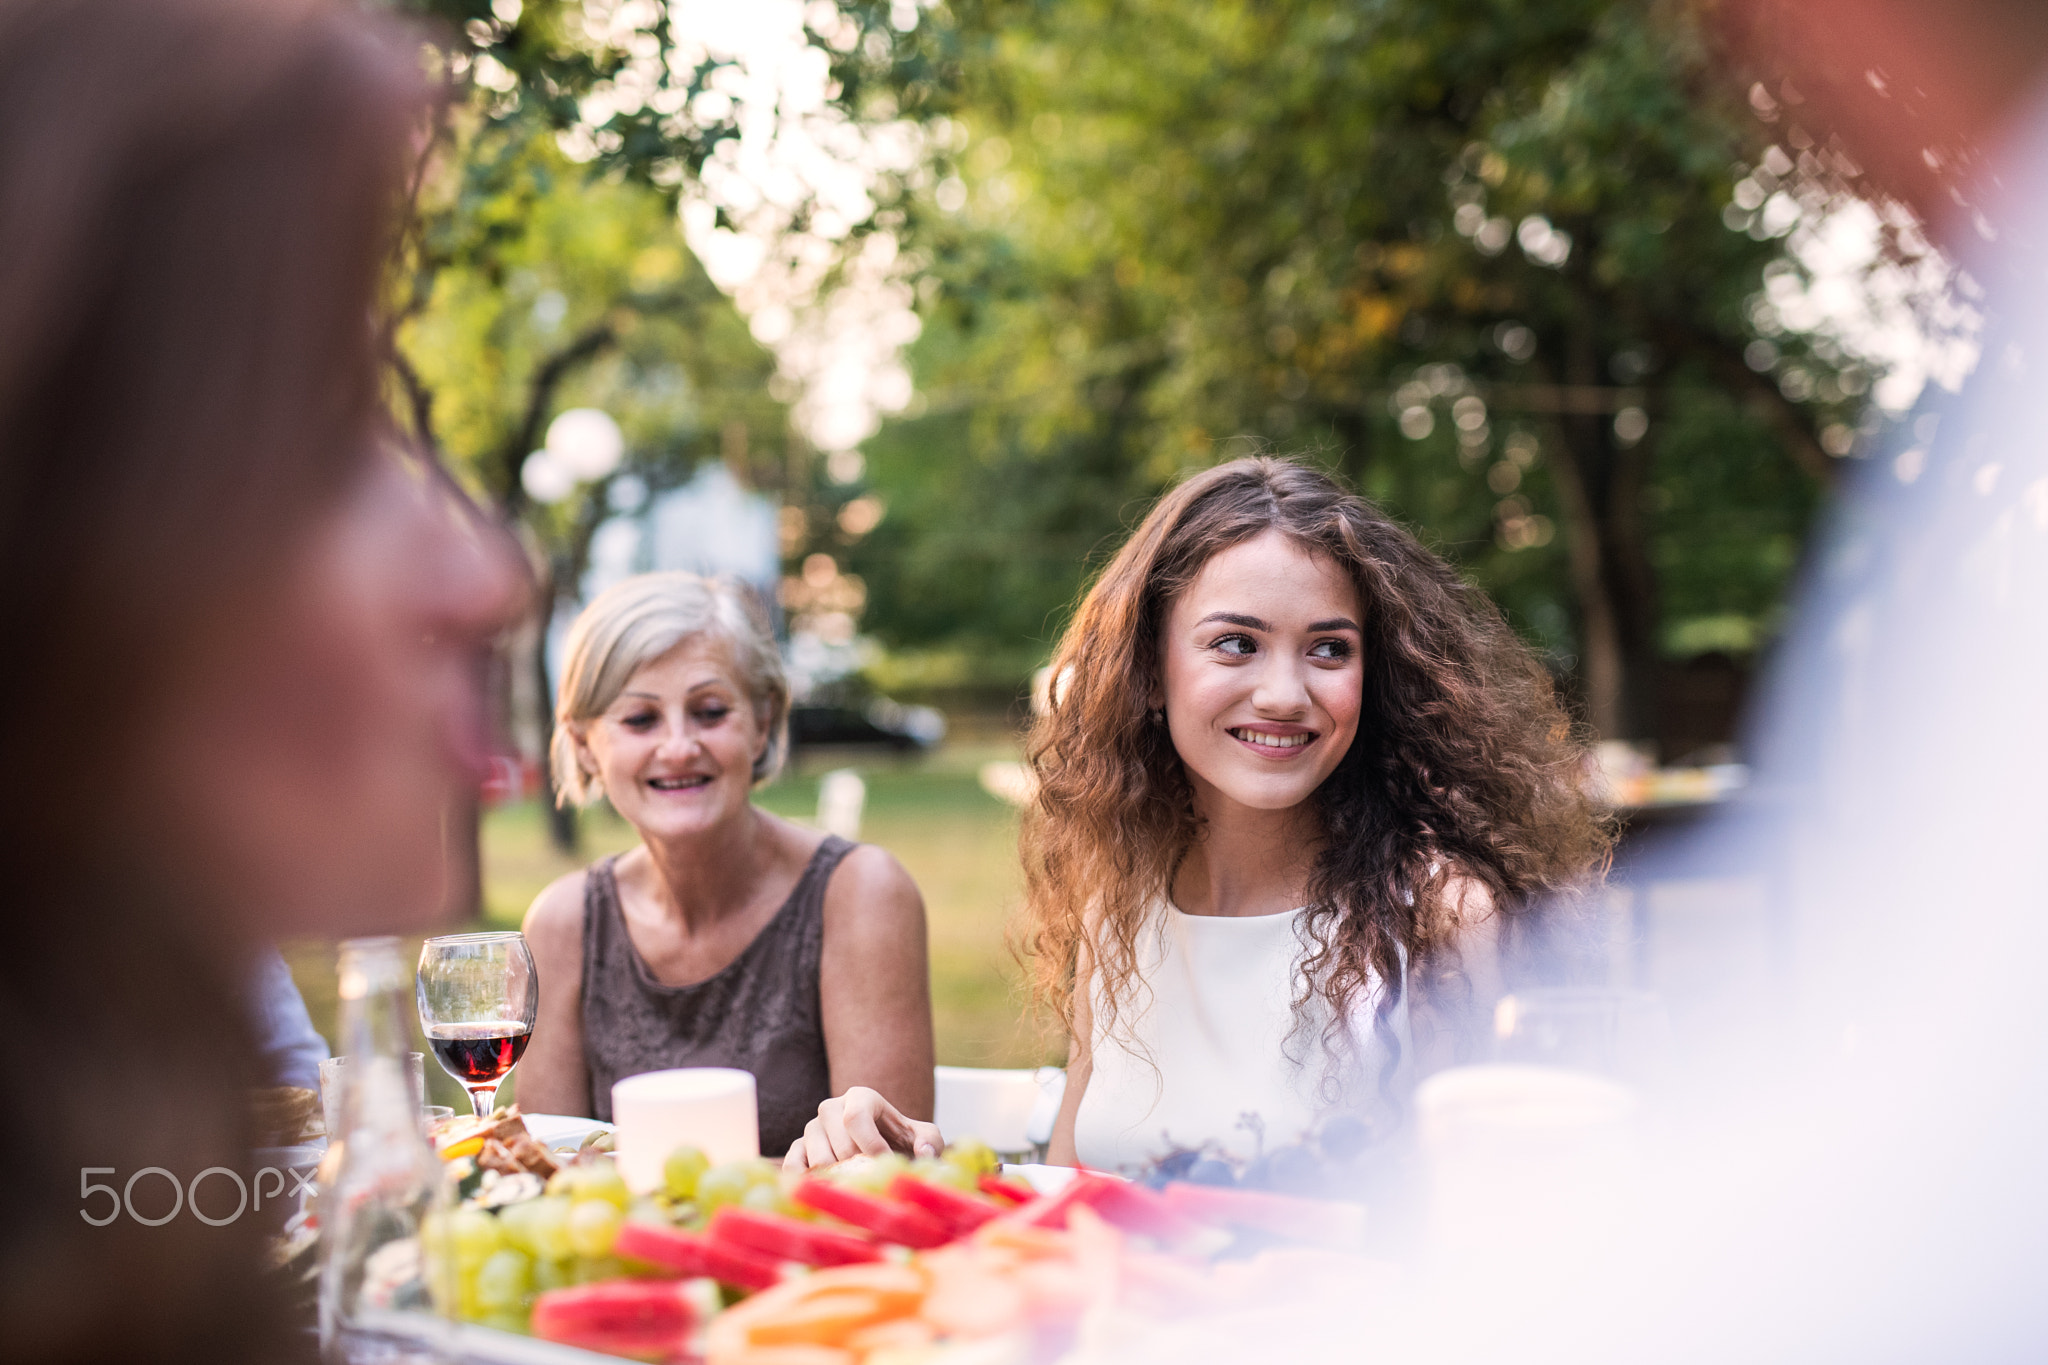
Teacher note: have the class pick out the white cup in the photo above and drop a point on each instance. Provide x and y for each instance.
(994, 1105)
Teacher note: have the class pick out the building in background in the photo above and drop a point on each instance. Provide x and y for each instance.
(710, 525)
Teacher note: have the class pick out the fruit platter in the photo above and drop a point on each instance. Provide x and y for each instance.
(948, 1260)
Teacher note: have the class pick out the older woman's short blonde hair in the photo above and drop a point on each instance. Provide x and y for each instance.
(635, 622)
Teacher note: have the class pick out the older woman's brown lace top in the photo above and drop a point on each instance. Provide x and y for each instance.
(759, 1014)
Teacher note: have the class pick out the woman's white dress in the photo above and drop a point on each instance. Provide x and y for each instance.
(1206, 1052)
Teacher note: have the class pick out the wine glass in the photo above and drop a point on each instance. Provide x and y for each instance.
(478, 994)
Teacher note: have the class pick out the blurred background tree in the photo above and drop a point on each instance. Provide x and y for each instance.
(1507, 264)
(1528, 273)
(545, 269)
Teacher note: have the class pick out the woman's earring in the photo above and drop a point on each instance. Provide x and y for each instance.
(1159, 715)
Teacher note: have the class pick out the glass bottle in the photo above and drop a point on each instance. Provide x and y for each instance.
(388, 1179)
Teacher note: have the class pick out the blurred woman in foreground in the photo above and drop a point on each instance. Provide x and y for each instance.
(730, 937)
(238, 697)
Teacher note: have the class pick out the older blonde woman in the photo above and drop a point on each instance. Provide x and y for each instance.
(729, 937)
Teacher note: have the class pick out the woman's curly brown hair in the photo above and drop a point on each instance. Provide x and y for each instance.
(1465, 768)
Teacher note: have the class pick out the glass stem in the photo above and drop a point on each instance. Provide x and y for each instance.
(483, 1100)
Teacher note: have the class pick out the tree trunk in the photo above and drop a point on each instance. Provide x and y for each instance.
(1600, 654)
(1354, 429)
(563, 826)
(1632, 582)
(1600, 486)
(511, 496)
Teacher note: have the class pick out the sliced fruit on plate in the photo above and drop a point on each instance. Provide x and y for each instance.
(650, 1319)
(1012, 1192)
(825, 1308)
(1119, 1203)
(788, 1239)
(823, 1319)
(690, 1254)
(970, 1299)
(901, 1334)
(961, 1213)
(889, 1219)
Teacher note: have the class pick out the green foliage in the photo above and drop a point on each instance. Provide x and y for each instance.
(518, 66)
(1731, 518)
(591, 255)
(545, 267)
(1194, 230)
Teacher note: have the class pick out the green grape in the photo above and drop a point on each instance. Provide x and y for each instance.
(653, 1212)
(601, 1180)
(516, 1222)
(547, 1228)
(504, 1281)
(681, 1171)
(726, 1183)
(437, 1258)
(593, 1225)
(769, 1199)
(436, 1247)
(762, 1171)
(551, 1274)
(508, 1321)
(872, 1174)
(595, 1269)
(933, 1171)
(974, 1156)
(473, 1235)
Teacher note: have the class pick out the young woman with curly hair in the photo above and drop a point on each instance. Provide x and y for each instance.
(1298, 782)
(1298, 786)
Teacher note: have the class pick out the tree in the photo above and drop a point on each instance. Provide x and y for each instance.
(1503, 261)
(595, 302)
(543, 266)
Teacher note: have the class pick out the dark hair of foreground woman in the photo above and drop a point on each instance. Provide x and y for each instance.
(195, 201)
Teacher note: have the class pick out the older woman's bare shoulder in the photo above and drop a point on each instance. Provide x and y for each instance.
(556, 916)
(870, 875)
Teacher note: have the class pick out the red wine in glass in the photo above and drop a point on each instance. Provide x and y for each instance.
(480, 1053)
(477, 995)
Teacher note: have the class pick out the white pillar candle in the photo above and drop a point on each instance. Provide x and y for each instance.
(710, 1108)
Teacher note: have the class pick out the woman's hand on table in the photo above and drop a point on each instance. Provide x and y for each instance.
(856, 1123)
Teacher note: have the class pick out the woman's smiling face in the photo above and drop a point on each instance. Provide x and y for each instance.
(1261, 675)
(676, 749)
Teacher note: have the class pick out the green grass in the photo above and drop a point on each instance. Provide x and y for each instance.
(958, 843)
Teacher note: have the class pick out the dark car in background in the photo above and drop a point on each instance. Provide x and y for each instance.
(874, 723)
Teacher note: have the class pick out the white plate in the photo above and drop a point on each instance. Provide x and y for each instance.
(1044, 1179)
(562, 1130)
